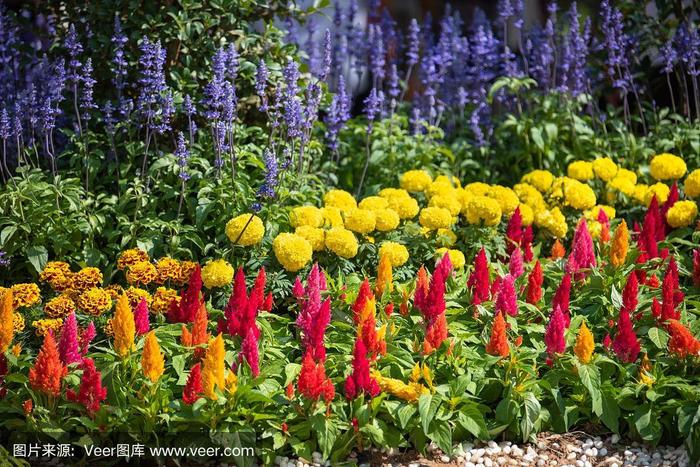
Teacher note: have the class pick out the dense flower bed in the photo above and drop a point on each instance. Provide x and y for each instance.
(526, 333)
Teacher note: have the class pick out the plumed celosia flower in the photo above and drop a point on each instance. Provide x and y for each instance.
(534, 284)
(696, 267)
(91, 392)
(620, 245)
(629, 294)
(561, 297)
(671, 294)
(682, 342)
(152, 362)
(48, 370)
(315, 315)
(193, 387)
(213, 368)
(313, 382)
(585, 344)
(498, 343)
(359, 381)
(479, 282)
(7, 329)
(626, 345)
(554, 333)
(515, 265)
(68, 346)
(86, 337)
(183, 311)
(506, 298)
(123, 327)
(514, 231)
(141, 321)
(582, 255)
(384, 276)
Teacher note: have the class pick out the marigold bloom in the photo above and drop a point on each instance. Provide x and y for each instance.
(620, 245)
(152, 361)
(123, 327)
(682, 343)
(213, 368)
(193, 387)
(68, 346)
(478, 282)
(498, 344)
(558, 250)
(7, 328)
(626, 345)
(584, 344)
(384, 276)
(48, 370)
(534, 284)
(554, 333)
(91, 392)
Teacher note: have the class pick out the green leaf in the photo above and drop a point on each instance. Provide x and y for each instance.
(38, 256)
(427, 408)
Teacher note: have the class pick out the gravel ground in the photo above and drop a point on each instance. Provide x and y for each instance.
(569, 450)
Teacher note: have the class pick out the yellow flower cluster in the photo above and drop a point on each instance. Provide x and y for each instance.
(245, 230)
(397, 253)
(682, 214)
(217, 273)
(667, 167)
(292, 251)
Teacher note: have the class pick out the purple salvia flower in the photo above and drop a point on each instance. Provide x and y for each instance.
(413, 51)
(183, 157)
(267, 189)
(261, 85)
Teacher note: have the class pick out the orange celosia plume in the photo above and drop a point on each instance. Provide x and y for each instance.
(48, 370)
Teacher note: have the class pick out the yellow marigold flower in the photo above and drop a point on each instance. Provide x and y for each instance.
(340, 199)
(386, 219)
(592, 214)
(332, 217)
(580, 170)
(342, 242)
(59, 306)
(360, 221)
(168, 269)
(87, 278)
(410, 392)
(660, 190)
(446, 237)
(135, 295)
(123, 327)
(448, 200)
(25, 295)
(478, 188)
(57, 274)
(529, 195)
(579, 195)
(605, 168)
(416, 180)
(95, 301)
(306, 215)
(553, 221)
(292, 251)
(482, 209)
(584, 344)
(405, 206)
(397, 253)
(162, 299)
(152, 361)
(384, 276)
(435, 218)
(18, 322)
(620, 244)
(141, 273)
(682, 214)
(625, 174)
(507, 199)
(456, 257)
(540, 179)
(692, 184)
(131, 256)
(43, 326)
(315, 236)
(186, 270)
(373, 203)
(213, 368)
(622, 185)
(667, 167)
(250, 225)
(7, 328)
(527, 214)
(217, 273)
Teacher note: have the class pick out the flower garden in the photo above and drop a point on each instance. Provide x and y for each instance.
(321, 242)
